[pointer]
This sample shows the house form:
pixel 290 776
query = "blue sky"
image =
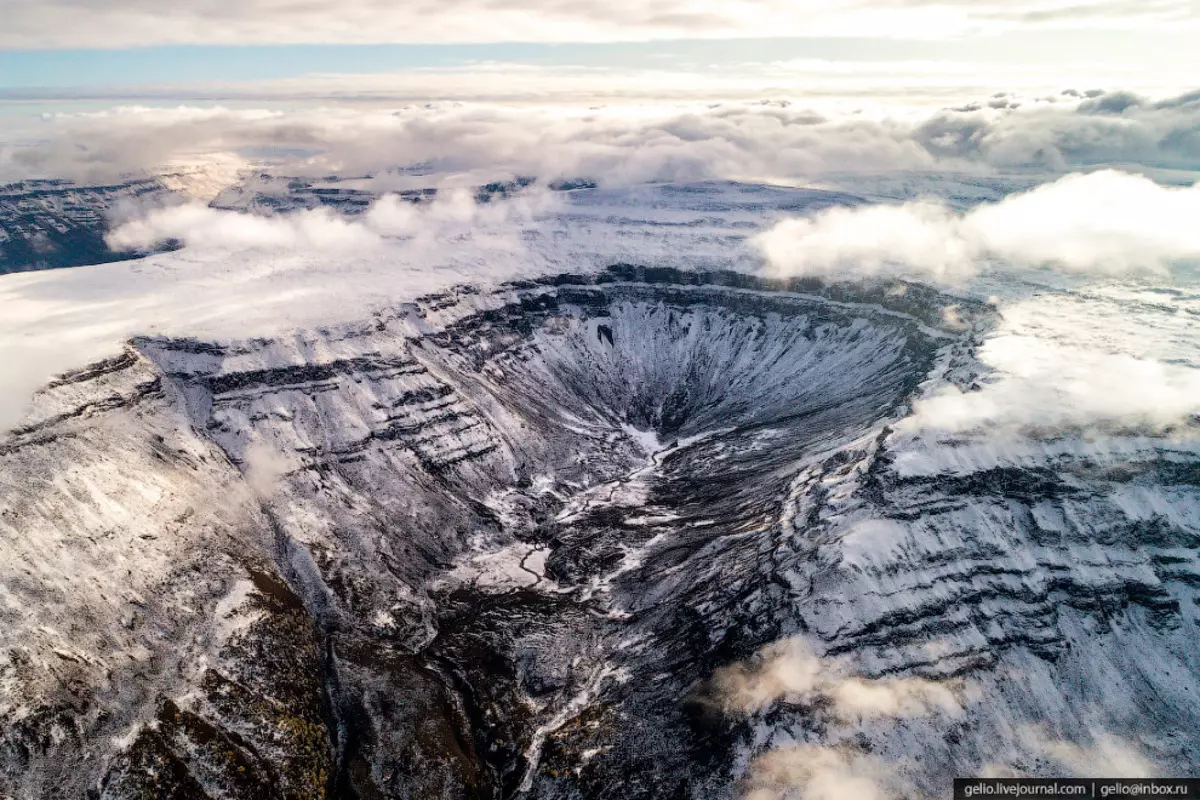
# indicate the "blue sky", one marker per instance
pixel 101 45
pixel 27 72
pixel 230 63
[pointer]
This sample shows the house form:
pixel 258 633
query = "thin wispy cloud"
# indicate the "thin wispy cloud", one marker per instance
pixel 95 23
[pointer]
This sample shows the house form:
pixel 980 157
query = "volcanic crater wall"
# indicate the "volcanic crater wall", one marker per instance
pixel 496 544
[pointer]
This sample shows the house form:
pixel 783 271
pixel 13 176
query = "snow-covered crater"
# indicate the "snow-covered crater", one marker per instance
pixel 500 543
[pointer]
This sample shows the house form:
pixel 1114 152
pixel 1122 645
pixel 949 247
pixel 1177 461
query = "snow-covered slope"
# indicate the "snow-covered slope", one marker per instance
pixel 643 534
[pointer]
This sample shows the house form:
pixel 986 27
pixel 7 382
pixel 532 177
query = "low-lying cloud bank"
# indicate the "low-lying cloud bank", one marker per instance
pixel 1042 387
pixel 620 145
pixel 1105 222
pixel 1118 356
pixel 487 225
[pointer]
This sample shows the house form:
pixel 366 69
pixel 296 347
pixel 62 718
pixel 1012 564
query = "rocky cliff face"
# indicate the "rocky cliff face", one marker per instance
pixel 48 224
pixel 502 544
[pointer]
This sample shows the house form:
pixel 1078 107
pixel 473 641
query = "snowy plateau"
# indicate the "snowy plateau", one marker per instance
pixel 614 526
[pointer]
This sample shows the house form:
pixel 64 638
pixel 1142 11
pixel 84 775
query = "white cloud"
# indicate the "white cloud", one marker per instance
pixel 96 23
pixel 815 772
pixel 264 465
pixel 1106 755
pixel 921 237
pixel 200 226
pixel 454 215
pixel 1042 385
pixel 789 670
pixel 242 275
pixel 1104 222
pixel 893 697
pixel 1122 355
pixel 810 771
pixel 618 144
pixel 835 766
